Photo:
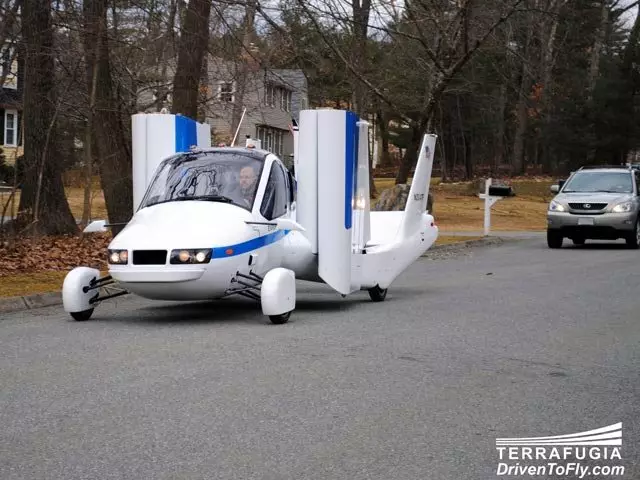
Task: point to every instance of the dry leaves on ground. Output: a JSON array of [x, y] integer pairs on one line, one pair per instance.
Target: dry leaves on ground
[[54, 253]]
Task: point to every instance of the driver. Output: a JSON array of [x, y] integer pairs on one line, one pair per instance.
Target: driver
[[247, 184]]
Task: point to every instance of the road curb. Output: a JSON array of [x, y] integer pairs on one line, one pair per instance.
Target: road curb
[[467, 243], [30, 302]]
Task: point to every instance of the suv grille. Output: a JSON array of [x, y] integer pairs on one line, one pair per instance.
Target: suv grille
[[149, 257], [587, 206]]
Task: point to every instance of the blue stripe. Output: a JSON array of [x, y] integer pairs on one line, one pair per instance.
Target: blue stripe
[[186, 133], [248, 246], [351, 149]]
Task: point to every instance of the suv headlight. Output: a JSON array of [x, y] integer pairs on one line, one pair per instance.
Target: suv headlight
[[189, 256], [622, 207], [118, 257], [557, 207]]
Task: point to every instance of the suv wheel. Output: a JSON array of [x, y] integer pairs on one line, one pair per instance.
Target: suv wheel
[[554, 239], [578, 241], [633, 240]]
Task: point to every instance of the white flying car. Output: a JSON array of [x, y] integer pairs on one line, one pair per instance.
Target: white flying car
[[217, 222]]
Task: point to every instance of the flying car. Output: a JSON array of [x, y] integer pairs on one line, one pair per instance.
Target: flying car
[[218, 222]]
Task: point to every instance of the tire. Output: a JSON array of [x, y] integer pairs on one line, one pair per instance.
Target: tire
[[377, 294], [633, 240], [554, 239], [280, 319], [82, 316], [578, 241]]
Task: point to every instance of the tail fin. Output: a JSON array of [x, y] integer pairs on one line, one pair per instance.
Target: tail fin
[[419, 192]]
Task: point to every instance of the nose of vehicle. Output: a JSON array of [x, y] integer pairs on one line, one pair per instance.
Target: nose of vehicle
[[185, 225]]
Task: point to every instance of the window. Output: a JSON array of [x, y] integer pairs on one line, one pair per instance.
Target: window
[[226, 91], [226, 177], [285, 100], [274, 203], [612, 182], [10, 128], [271, 139], [269, 95]]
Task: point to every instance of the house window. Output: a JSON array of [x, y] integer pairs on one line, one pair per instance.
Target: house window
[[285, 100], [8, 67], [270, 95], [271, 139], [226, 92], [11, 128]]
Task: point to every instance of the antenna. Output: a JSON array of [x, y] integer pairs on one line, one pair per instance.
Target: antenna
[[239, 125]]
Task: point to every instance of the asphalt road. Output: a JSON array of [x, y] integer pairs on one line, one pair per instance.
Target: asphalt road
[[509, 341]]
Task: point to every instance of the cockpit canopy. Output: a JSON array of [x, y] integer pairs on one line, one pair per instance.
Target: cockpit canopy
[[225, 175]]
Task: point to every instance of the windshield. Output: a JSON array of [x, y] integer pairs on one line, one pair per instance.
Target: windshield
[[228, 177], [612, 182]]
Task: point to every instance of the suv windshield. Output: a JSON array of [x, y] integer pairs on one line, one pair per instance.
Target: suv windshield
[[229, 177], [587, 182]]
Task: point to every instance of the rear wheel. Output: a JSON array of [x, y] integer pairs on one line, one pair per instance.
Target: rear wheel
[[633, 240], [377, 294], [554, 239]]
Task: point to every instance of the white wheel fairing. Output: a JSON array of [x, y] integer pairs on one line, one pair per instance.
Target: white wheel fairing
[[278, 292], [73, 297]]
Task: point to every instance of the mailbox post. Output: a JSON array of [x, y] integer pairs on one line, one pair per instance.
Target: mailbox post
[[491, 195]]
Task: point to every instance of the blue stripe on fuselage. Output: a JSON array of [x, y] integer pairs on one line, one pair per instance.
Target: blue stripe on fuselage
[[248, 246]]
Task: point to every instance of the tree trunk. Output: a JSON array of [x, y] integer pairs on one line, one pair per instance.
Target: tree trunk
[[194, 38], [359, 58], [113, 149], [42, 175], [594, 66], [410, 156], [384, 158], [521, 107]]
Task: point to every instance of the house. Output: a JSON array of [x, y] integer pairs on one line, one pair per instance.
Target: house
[[272, 98], [11, 79]]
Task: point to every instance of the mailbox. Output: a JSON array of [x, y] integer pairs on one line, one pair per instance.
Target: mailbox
[[500, 191]]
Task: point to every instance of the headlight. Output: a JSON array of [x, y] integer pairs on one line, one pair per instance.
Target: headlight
[[118, 257], [556, 207], [188, 256], [622, 207]]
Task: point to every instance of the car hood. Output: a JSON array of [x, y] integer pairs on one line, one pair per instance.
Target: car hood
[[596, 197], [188, 224]]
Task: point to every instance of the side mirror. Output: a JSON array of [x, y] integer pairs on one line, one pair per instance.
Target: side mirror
[[96, 226], [288, 224], [555, 188], [561, 184]]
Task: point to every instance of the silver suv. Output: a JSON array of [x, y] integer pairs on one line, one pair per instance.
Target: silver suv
[[596, 203]]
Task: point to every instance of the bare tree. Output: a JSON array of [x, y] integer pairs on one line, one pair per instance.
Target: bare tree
[[194, 35], [43, 203]]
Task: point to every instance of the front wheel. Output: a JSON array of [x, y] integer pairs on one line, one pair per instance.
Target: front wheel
[[82, 316], [377, 294], [633, 240], [554, 239], [280, 319]]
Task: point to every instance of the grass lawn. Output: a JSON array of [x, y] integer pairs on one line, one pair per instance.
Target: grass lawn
[[31, 283], [457, 206]]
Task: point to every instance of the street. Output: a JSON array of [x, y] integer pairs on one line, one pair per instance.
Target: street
[[515, 340]]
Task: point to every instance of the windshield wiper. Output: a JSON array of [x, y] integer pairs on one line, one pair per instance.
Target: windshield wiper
[[212, 198]]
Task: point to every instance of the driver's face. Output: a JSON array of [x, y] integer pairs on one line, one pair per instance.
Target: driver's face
[[247, 178]]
